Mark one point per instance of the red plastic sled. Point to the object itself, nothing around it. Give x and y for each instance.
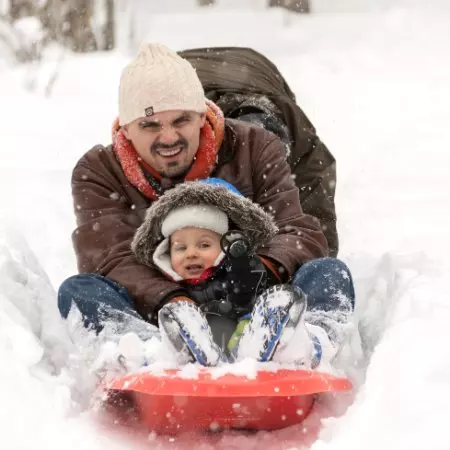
(169, 404)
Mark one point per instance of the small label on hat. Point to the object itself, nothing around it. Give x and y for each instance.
(149, 111)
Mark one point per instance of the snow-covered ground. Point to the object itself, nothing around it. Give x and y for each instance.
(376, 87)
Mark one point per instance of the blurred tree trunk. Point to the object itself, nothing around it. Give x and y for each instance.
(79, 32)
(20, 8)
(205, 2)
(72, 23)
(68, 22)
(109, 28)
(299, 6)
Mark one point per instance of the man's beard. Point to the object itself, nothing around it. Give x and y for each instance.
(174, 168)
(176, 171)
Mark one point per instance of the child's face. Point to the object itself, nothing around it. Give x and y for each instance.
(193, 250)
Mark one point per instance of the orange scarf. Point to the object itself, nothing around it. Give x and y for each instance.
(211, 137)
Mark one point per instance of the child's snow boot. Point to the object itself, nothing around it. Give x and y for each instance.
(277, 330)
(185, 329)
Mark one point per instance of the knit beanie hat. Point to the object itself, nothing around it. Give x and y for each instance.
(157, 80)
(196, 216)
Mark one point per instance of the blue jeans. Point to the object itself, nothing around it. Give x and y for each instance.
(328, 285)
(327, 282)
(101, 300)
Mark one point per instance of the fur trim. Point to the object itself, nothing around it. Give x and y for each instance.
(248, 217)
(211, 137)
(259, 110)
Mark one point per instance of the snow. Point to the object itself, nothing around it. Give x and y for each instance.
(375, 85)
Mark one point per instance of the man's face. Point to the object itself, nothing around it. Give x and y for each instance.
(167, 141)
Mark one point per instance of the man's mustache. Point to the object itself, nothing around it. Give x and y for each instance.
(178, 143)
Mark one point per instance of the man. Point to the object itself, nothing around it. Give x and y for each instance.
(167, 133)
(247, 86)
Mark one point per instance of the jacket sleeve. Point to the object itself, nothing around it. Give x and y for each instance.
(300, 237)
(315, 172)
(106, 224)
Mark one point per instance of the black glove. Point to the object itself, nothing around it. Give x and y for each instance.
(236, 283)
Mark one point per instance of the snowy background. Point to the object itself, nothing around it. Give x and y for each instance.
(373, 77)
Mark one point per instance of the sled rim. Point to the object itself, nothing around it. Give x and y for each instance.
(280, 383)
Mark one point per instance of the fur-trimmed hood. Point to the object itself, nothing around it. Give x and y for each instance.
(244, 215)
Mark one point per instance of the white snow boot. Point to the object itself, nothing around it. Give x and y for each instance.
(185, 329)
(277, 330)
(276, 310)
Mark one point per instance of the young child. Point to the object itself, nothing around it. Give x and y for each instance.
(206, 236)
